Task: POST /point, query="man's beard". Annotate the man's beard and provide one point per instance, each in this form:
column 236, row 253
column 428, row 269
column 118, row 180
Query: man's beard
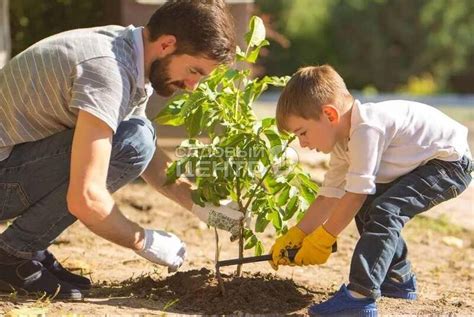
column 160, row 78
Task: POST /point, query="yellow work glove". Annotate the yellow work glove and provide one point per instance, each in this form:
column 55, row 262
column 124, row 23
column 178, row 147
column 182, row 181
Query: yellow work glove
column 291, row 240
column 316, row 248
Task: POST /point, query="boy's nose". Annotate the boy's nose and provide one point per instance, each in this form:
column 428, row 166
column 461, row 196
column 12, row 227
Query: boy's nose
column 302, row 143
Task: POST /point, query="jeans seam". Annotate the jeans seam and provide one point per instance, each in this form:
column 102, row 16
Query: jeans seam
column 33, row 161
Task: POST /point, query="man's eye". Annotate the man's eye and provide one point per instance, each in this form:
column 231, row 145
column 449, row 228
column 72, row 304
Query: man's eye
column 193, row 71
column 303, row 134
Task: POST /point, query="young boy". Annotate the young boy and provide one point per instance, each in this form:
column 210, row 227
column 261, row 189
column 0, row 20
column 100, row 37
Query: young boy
column 389, row 162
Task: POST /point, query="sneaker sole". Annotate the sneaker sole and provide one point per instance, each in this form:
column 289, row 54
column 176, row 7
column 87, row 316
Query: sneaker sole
column 350, row 313
column 408, row 296
column 8, row 288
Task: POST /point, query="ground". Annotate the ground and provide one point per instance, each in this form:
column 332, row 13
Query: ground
column 441, row 248
column 445, row 270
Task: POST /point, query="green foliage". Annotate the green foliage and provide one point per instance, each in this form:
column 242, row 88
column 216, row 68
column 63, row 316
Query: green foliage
column 375, row 42
column 33, row 20
column 423, row 85
column 245, row 159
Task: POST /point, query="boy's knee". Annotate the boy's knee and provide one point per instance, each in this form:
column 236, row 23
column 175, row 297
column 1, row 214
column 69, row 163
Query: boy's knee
column 134, row 144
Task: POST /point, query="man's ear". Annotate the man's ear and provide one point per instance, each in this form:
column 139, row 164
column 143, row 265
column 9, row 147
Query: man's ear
column 331, row 113
column 165, row 44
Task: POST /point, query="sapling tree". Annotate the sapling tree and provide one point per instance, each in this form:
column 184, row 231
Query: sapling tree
column 232, row 155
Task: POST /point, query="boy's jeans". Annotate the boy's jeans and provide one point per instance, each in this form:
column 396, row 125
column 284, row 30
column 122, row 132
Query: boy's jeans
column 34, row 181
column 381, row 251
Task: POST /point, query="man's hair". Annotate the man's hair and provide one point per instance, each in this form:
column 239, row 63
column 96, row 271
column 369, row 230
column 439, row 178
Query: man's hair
column 308, row 90
column 201, row 27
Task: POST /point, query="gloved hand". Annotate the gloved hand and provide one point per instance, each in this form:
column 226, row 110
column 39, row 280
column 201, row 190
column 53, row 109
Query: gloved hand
column 316, row 247
column 226, row 217
column 291, row 240
column 163, row 248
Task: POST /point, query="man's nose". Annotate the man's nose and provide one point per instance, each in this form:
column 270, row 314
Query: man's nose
column 192, row 83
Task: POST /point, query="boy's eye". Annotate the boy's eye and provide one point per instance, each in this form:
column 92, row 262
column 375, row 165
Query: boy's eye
column 193, row 71
column 303, row 133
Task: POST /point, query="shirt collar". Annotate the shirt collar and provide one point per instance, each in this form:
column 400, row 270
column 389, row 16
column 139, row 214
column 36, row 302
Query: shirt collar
column 140, row 53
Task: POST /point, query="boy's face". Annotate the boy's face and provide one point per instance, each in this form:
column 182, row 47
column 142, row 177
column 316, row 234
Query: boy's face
column 319, row 135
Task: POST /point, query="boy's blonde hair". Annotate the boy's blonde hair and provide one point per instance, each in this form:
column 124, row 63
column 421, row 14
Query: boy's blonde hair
column 308, row 90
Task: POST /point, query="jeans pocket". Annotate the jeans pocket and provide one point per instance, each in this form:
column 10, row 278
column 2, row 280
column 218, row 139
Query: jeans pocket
column 13, row 200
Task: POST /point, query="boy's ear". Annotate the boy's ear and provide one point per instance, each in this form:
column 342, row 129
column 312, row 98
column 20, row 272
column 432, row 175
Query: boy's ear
column 331, row 113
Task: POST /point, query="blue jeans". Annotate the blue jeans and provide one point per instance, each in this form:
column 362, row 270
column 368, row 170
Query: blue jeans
column 381, row 251
column 34, row 181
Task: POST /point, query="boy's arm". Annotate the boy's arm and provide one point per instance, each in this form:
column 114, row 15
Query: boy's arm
column 343, row 212
column 319, row 211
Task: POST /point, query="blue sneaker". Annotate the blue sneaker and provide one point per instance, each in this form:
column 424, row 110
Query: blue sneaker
column 344, row 304
column 407, row 290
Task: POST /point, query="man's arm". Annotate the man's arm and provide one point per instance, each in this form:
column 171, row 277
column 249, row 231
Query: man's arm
column 155, row 175
column 88, row 198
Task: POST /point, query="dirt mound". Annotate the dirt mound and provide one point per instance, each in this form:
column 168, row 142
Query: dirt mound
column 197, row 292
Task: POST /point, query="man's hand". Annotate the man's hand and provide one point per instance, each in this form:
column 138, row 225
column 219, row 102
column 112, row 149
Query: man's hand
column 316, row 248
column 226, row 217
column 291, row 240
column 163, row 248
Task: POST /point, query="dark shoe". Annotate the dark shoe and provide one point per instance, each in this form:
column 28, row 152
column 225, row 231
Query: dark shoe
column 54, row 267
column 407, row 290
column 343, row 304
column 30, row 276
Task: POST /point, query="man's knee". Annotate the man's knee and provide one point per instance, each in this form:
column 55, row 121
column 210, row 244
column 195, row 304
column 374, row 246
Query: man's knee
column 134, row 144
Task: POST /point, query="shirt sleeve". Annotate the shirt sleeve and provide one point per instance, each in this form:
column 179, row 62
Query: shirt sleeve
column 366, row 146
column 102, row 87
column 334, row 179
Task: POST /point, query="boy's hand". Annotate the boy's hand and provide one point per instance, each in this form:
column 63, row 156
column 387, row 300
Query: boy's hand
column 163, row 248
column 291, row 240
column 226, row 217
column 316, row 248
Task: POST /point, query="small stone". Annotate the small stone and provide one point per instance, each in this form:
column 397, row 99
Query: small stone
column 453, row 242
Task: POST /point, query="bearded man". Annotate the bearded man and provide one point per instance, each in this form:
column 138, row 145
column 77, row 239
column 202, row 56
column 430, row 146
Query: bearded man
column 73, row 130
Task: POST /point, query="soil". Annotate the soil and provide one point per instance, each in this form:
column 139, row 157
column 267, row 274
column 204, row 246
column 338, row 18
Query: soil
column 441, row 252
column 127, row 284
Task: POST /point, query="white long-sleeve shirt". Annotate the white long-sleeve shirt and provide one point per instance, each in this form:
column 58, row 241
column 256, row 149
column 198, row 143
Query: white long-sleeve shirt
column 390, row 139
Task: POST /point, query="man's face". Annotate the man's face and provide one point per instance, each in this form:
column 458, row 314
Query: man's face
column 173, row 72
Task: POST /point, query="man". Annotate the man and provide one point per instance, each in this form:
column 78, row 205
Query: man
column 73, row 131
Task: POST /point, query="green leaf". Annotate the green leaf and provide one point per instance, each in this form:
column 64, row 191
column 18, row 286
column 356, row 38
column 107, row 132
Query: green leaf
column 291, row 208
column 276, row 219
column 251, row 242
column 171, row 114
column 253, row 55
column 261, row 223
column 256, row 33
column 259, row 248
column 273, row 137
column 171, row 176
column 268, row 122
column 196, row 197
column 283, row 196
column 193, row 125
column 306, row 181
